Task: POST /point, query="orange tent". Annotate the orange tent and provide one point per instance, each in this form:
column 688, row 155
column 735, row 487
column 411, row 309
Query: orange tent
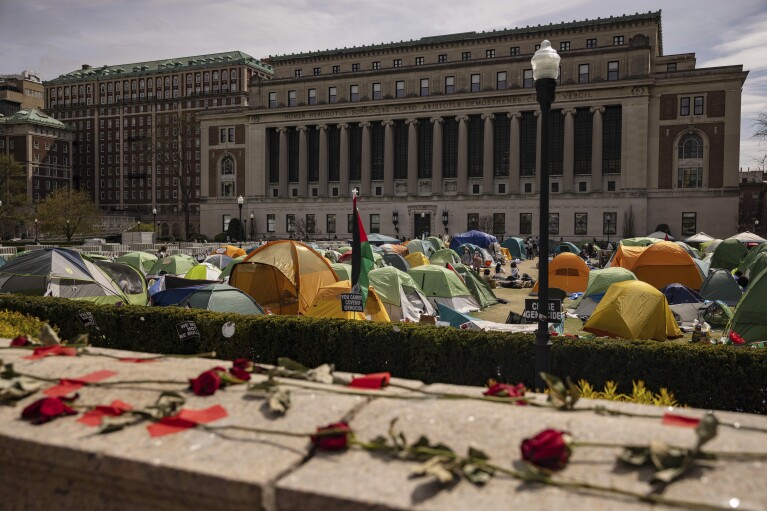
column 283, row 276
column 626, row 255
column 567, row 272
column 662, row 264
column 230, row 250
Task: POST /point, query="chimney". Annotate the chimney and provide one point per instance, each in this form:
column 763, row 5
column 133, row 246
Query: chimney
column 86, row 66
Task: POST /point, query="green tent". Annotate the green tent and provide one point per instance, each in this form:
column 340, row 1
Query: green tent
column 221, row 298
column 566, row 246
column 344, row 249
column 708, row 247
column 203, row 271
column 728, row 254
column 437, row 243
column 516, row 247
column 719, row 285
column 130, row 280
column 343, row 270
column 480, row 289
column 399, row 293
column 691, row 251
column 142, row 261
column 423, row 246
column 748, row 261
column 445, row 255
column 228, row 268
column 444, row 286
column 639, row 242
column 177, row 264
column 599, row 282
column 750, row 321
column 757, row 266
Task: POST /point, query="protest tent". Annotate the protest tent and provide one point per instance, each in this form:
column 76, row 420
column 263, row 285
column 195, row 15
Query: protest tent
column 400, row 295
column 699, row 238
column 283, row 276
column 212, row 297
column 446, row 255
column 397, row 249
column 478, row 238
column 664, row 263
column 417, row 259
column 567, row 272
column 599, row 282
column 130, row 280
column 677, row 293
column 480, row 289
column 660, row 235
column 396, row 260
column 219, row 260
column 758, row 265
column 343, row 270
column 437, row 243
column 566, row 246
column 748, row 261
column 327, row 304
column 203, row 271
column 633, row 310
column 230, row 250
column 691, row 251
column 177, row 264
column 422, row 246
column 142, row 261
column 645, row 241
column 728, row 254
column 720, row 285
column 441, row 285
column 516, row 247
column 228, row 268
column 708, row 247
column 380, row 239
column 747, row 237
column 750, row 320
column 59, row 272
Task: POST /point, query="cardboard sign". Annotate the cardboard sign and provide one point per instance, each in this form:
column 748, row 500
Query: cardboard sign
column 187, row 330
column 352, row 302
column 88, row 320
column 555, row 314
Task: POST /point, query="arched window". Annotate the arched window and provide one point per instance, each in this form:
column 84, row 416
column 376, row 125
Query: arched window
column 226, row 173
column 691, row 146
column 215, row 75
column 690, row 162
column 224, row 75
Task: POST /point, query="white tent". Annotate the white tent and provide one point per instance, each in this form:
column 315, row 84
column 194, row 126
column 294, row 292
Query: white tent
column 701, row 237
column 747, row 237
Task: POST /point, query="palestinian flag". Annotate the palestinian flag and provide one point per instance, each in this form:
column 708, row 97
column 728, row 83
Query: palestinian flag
column 362, row 254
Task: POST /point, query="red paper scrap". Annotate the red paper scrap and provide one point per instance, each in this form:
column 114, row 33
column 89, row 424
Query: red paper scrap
column 93, row 417
column 68, row 385
column 186, row 419
column 671, row 419
column 52, row 351
column 138, row 360
column 371, row 381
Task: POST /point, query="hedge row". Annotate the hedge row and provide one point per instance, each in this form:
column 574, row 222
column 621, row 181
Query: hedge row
column 700, row 375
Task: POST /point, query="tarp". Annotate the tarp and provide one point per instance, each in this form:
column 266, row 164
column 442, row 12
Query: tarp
column 750, row 320
column 728, row 254
column 327, row 304
column 283, row 276
column 720, row 285
column 380, row 239
column 567, row 272
column 400, row 294
column 460, row 320
column 599, row 282
column 442, row 285
column 59, row 272
column 663, row 263
column 446, row 255
column 203, row 271
column 397, row 249
column 213, row 297
column 142, row 261
column 479, row 238
column 516, row 247
column 480, row 289
column 130, row 280
column 677, row 293
column 633, row 310
column 417, row 259
column 177, row 264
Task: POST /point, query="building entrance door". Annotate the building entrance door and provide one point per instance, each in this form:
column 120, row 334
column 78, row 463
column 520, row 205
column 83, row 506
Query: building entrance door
column 422, row 225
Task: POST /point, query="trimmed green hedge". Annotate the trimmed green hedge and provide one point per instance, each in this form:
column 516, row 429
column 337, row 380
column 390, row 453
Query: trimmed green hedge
column 700, row 375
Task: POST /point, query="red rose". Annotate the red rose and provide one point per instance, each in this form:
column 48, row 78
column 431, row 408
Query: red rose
column 207, row 383
column 549, row 449
column 45, row 410
column 371, row 381
column 735, row 338
column 243, row 364
column 335, row 441
column 21, row 340
column 240, row 373
column 506, row 390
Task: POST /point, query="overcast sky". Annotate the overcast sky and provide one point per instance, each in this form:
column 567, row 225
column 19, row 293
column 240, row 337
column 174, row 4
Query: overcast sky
column 54, row 37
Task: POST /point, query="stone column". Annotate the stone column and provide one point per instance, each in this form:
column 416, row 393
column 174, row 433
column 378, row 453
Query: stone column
column 323, row 163
column 283, row 184
column 487, row 154
column 366, row 170
column 463, row 155
column 514, row 152
column 344, row 160
column 569, row 150
column 303, row 178
column 412, row 156
column 596, row 148
column 388, row 158
column 436, row 156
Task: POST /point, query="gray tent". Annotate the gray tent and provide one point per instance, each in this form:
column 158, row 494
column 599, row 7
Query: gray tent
column 719, row 285
column 396, row 260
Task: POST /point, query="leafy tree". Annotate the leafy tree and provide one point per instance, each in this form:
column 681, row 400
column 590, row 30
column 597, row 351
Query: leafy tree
column 67, row 212
column 15, row 209
column 234, row 230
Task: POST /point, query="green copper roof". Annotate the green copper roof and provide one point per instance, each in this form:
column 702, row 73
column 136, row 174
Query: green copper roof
column 468, row 36
column 159, row 66
column 32, row 116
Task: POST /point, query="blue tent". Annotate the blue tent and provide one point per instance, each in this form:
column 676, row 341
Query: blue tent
column 479, row 238
column 677, row 293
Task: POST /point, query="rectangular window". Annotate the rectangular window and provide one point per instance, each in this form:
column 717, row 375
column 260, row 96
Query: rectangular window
column 291, row 98
column 449, row 84
column 499, row 223
column 225, row 219
column 466, row 55
column 298, row 73
column 583, row 73
column 591, row 43
column 525, row 223
column 377, row 65
column 290, row 223
column 612, row 70
column 610, row 223
column 355, row 67
column 312, row 97
column 555, row 187
column 419, row 61
column 564, row 46
column 671, row 67
column 690, row 177
column 271, row 222
column 317, row 71
column 311, row 223
column 472, row 222
column 349, row 223
column 527, row 78
column 336, row 69
column 611, row 186
column 400, row 89
column 698, row 108
column 617, row 40
column 612, row 121
column 376, row 91
column 489, row 54
column 684, row 106
column 375, row 223
column 424, row 87
column 514, row 51
column 330, row 224
column 442, row 58
column 475, row 83
column 354, row 93
column 553, row 223
column 689, row 223
column 501, row 82
column 397, row 63
column 332, row 94
column 581, row 223
column 582, row 186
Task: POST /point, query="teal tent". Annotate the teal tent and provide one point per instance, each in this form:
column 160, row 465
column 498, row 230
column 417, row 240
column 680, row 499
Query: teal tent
column 719, row 285
column 516, row 247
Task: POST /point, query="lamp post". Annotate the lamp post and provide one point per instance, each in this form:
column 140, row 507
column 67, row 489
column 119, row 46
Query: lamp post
column 445, row 218
column 545, row 72
column 154, row 222
column 245, row 229
column 252, row 227
column 35, row 230
column 240, row 201
column 756, row 226
column 395, row 220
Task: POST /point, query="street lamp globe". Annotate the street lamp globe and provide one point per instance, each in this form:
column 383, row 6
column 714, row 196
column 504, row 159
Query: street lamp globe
column 546, row 62
column 240, row 200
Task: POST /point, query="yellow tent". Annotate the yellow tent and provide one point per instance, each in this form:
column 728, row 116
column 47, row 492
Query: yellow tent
column 327, row 304
column 661, row 264
column 506, row 253
column 633, row 309
column 567, row 272
column 417, row 259
column 283, row 276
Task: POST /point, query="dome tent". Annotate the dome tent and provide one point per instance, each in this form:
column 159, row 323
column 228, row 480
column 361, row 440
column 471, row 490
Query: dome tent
column 142, row 261
column 478, row 238
column 728, row 254
column 750, row 321
column 677, row 293
column 441, row 285
column 664, row 263
column 400, row 294
column 516, row 247
column 327, row 304
column 567, row 272
column 599, row 282
column 212, row 297
column 719, row 285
